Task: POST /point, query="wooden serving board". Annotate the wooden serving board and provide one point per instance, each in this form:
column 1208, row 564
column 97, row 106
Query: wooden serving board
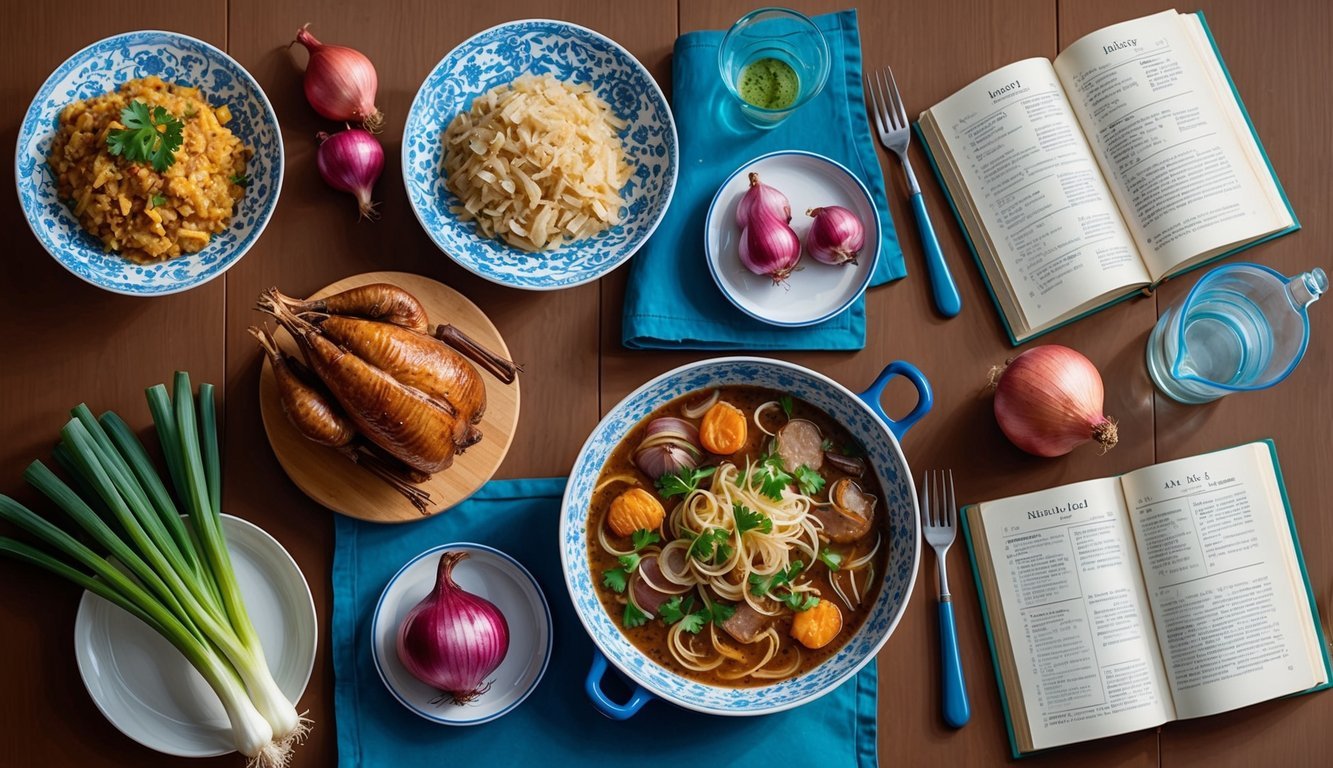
column 336, row 482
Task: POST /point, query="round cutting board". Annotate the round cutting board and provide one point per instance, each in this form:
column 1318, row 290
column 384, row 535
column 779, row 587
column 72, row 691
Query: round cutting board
column 336, row 482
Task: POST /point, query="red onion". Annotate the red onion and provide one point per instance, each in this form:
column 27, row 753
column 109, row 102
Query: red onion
column 768, row 246
column 669, row 445
column 765, row 197
column 1048, row 402
column 453, row 639
column 351, row 161
column 340, row 82
column 836, row 236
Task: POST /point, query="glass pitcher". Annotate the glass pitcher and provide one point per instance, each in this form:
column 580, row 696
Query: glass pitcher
column 1242, row 327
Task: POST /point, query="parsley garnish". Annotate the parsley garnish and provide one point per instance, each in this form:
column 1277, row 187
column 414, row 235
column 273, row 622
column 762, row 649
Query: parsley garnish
column 787, row 405
column 634, row 617
column 243, row 180
column 749, row 520
column 159, row 201
column 809, row 481
column 681, row 610
column 617, row 578
column 682, row 483
column 149, row 136
column 711, row 546
column 779, row 587
column 830, row 558
column 826, row 446
column 773, row 479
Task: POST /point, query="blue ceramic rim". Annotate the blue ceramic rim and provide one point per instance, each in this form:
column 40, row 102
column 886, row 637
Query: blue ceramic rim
column 874, row 258
column 632, row 247
column 916, row 537
column 243, row 247
column 546, row 609
column 799, row 17
column 1180, row 332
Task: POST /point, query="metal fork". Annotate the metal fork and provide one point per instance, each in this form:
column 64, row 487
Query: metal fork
column 895, row 133
column 939, row 525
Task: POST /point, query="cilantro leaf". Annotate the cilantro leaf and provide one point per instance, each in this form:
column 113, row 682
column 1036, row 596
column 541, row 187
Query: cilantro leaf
column 149, row 136
column 749, row 520
column 800, row 601
column 159, row 201
column 643, row 537
column 769, row 586
column 682, row 483
column 826, row 446
column 787, row 405
column 674, row 609
column 634, row 617
column 693, row 622
column 711, row 546
column 721, row 612
column 629, row 562
column 773, row 479
column 809, row 481
column 241, row 180
column 615, row 580
column 830, row 558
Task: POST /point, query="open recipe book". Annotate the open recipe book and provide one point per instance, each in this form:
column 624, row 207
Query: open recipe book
column 1171, row 592
column 1081, row 181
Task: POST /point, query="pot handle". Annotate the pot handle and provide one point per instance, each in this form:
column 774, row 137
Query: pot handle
column 924, row 398
column 602, row 702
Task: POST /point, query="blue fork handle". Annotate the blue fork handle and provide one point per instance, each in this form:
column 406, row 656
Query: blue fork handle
column 957, row 711
column 942, row 287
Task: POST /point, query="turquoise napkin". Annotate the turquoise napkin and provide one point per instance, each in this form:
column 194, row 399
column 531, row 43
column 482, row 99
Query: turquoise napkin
column 671, row 302
column 556, row 726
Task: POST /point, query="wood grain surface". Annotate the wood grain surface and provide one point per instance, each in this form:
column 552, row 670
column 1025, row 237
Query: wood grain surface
column 324, row 475
column 68, row 342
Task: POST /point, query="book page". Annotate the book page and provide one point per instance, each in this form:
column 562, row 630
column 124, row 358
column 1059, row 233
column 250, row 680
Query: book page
column 1168, row 141
column 1076, row 613
column 1027, row 172
column 1222, row 579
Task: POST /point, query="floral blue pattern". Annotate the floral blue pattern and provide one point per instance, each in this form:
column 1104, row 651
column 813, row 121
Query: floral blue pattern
column 902, row 520
column 102, row 67
column 570, row 52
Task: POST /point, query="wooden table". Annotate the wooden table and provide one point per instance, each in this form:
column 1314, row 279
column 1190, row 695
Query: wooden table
column 68, row 341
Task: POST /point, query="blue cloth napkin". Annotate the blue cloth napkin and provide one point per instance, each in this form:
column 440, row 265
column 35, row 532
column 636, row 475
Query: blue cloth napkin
column 557, row 725
column 671, row 302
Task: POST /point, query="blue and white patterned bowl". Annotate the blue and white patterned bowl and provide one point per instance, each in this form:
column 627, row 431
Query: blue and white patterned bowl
column 103, row 67
column 572, row 53
column 863, row 416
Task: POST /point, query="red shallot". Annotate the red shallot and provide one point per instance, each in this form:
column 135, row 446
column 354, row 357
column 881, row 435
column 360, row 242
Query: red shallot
column 351, row 161
column 669, row 446
column 762, row 196
column 453, row 639
column 1048, row 401
column 836, row 235
column 340, row 82
column 769, row 246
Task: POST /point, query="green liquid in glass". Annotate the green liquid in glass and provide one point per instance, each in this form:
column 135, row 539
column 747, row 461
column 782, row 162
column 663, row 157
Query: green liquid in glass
column 769, row 84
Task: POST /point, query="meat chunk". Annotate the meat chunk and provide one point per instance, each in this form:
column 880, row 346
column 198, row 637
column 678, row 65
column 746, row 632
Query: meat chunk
column 648, row 596
column 746, row 624
column 851, row 514
column 800, row 443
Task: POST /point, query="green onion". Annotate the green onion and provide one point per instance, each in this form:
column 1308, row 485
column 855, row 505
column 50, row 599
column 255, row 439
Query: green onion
column 176, row 578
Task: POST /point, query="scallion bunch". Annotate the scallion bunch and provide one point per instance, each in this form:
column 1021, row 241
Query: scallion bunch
column 170, row 572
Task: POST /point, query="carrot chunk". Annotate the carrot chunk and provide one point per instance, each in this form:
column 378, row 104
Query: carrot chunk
column 634, row 510
column 818, row 626
column 724, row 429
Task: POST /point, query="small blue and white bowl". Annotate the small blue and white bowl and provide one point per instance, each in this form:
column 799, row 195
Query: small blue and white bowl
column 101, row 68
column 572, row 53
column 864, row 417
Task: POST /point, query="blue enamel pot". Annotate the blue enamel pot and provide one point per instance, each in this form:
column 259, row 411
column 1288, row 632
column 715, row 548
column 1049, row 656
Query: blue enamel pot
column 864, row 417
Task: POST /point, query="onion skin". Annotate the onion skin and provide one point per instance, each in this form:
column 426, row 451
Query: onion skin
column 836, row 236
column 1048, row 401
column 762, row 196
column 769, row 246
column 351, row 161
column 340, row 82
column 453, row 639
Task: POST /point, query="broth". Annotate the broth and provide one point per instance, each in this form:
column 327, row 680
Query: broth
column 661, row 593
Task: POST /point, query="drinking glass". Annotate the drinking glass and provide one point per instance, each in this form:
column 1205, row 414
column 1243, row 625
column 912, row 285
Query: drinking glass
column 1242, row 327
column 788, row 38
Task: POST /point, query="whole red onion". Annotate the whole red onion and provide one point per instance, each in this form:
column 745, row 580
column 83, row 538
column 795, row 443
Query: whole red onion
column 351, row 161
column 1048, row 402
column 453, row 639
column 340, row 82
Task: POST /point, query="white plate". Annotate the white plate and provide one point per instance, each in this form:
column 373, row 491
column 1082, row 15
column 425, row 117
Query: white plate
column 492, row 574
column 815, row 292
column 147, row 689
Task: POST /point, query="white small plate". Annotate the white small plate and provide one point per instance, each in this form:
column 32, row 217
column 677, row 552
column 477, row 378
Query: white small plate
column 815, row 292
column 147, row 689
column 492, row 574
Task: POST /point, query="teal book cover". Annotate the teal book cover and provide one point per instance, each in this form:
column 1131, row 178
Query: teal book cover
column 1014, row 340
